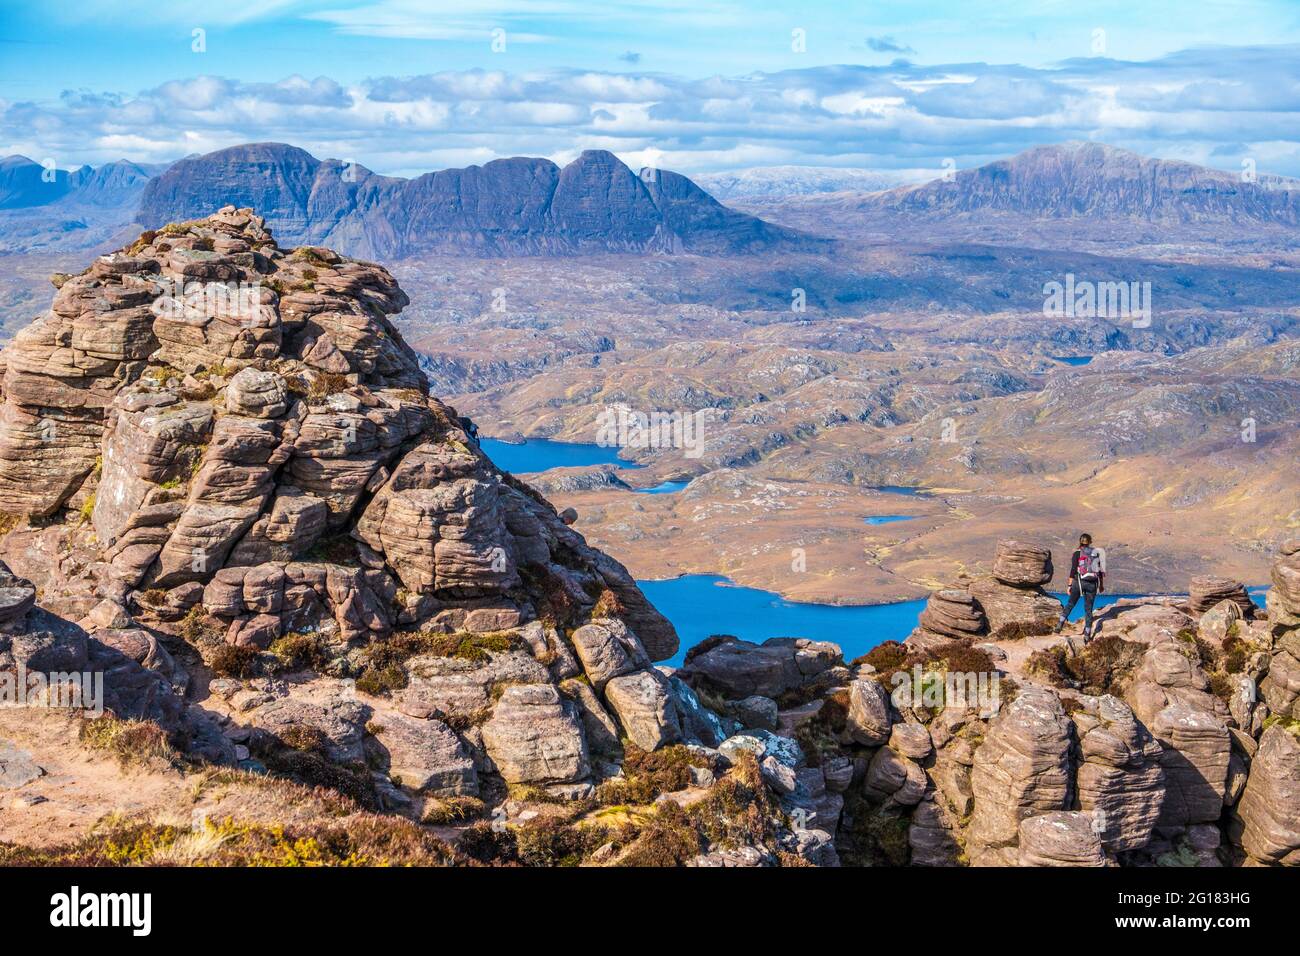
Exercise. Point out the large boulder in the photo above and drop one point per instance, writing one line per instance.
(870, 717)
(1022, 565)
(535, 737)
(644, 704)
(739, 669)
(1208, 590)
(1060, 838)
(339, 720)
(426, 756)
(953, 613)
(607, 649)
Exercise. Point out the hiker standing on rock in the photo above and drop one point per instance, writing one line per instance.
(1087, 578)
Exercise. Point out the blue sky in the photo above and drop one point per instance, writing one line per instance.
(404, 86)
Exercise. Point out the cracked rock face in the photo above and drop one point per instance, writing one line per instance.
(1022, 769)
(1270, 805)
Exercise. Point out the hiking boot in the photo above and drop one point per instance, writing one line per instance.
(1060, 625)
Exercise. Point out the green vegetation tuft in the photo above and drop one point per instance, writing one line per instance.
(133, 742)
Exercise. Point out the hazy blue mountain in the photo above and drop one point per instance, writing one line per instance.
(513, 206)
(764, 183)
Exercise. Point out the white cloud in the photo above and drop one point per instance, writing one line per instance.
(890, 117)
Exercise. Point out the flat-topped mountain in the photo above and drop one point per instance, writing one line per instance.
(1087, 196)
(1074, 180)
(515, 206)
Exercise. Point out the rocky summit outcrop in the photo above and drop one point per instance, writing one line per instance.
(1009, 602)
(236, 452)
(231, 416)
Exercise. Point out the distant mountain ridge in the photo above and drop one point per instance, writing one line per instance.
(596, 204)
(515, 206)
(49, 209)
(25, 183)
(761, 183)
(1079, 180)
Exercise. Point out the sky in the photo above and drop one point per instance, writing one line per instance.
(405, 86)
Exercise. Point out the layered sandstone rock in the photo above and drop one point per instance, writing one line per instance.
(869, 717)
(953, 613)
(245, 406)
(1208, 590)
(1270, 805)
(1012, 597)
(1121, 780)
(741, 669)
(1022, 769)
(534, 736)
(1060, 838)
(1022, 565)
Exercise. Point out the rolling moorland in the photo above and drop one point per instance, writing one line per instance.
(923, 357)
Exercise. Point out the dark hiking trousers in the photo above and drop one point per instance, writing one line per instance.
(1089, 593)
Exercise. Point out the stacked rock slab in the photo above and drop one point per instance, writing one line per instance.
(1121, 781)
(1208, 590)
(1012, 597)
(1169, 694)
(61, 374)
(950, 614)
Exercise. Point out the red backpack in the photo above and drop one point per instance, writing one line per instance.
(1089, 563)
